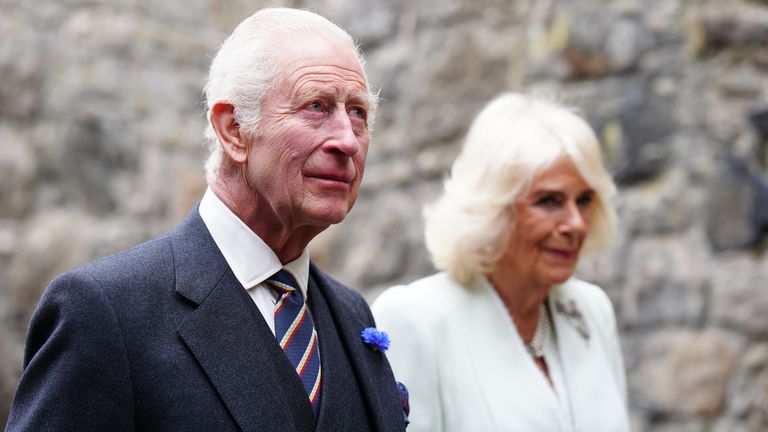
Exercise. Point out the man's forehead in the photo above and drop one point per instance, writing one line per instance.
(324, 73)
(318, 52)
(326, 76)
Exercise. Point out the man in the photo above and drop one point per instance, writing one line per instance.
(206, 328)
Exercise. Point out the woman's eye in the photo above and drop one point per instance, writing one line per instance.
(585, 200)
(547, 201)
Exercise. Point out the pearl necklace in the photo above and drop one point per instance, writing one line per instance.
(542, 334)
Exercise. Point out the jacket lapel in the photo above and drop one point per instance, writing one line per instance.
(582, 359)
(371, 369)
(572, 329)
(230, 340)
(504, 370)
(336, 399)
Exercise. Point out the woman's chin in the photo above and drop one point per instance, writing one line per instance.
(559, 276)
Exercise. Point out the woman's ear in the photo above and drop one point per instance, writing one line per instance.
(228, 131)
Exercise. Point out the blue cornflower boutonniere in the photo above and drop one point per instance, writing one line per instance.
(376, 340)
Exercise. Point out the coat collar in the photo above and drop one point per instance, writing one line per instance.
(230, 339)
(197, 260)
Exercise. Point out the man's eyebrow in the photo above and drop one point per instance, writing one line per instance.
(356, 97)
(313, 92)
(359, 98)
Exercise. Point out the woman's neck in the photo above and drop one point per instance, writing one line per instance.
(522, 300)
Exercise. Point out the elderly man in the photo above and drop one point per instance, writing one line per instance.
(224, 323)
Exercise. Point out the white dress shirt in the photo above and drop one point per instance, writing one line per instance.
(250, 259)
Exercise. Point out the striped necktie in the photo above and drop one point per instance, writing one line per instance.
(296, 334)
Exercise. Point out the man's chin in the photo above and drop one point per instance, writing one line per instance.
(327, 215)
(328, 208)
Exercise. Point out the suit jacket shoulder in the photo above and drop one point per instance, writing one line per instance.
(103, 350)
(75, 356)
(429, 300)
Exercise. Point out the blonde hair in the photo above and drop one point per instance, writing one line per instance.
(511, 140)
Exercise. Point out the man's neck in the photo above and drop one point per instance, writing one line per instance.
(285, 240)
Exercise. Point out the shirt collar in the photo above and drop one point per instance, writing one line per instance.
(250, 259)
(299, 268)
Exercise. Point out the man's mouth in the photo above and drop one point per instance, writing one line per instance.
(332, 178)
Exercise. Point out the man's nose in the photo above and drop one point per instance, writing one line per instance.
(343, 140)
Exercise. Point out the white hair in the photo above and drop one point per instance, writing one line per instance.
(246, 68)
(514, 138)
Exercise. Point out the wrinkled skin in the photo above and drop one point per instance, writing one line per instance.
(302, 171)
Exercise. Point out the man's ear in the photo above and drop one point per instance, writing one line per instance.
(228, 130)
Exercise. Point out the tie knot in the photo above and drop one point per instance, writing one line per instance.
(282, 282)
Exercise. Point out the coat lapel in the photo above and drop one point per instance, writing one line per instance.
(371, 369)
(571, 327)
(504, 370)
(230, 340)
(582, 361)
(336, 399)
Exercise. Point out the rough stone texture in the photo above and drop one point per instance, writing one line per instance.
(663, 284)
(737, 208)
(739, 295)
(101, 121)
(748, 390)
(676, 366)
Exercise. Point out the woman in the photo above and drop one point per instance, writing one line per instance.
(504, 338)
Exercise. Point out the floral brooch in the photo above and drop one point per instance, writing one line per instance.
(573, 315)
(375, 339)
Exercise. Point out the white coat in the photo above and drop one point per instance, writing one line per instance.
(459, 353)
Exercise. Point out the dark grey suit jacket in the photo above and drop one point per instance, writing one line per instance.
(164, 338)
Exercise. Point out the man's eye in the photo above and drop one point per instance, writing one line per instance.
(315, 106)
(358, 112)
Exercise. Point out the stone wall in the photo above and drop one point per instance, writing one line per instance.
(101, 119)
